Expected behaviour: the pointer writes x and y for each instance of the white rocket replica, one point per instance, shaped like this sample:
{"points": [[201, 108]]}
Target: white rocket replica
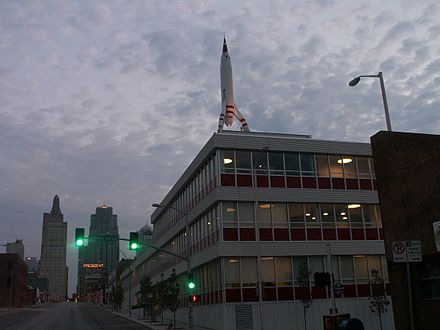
{"points": [[229, 109]]}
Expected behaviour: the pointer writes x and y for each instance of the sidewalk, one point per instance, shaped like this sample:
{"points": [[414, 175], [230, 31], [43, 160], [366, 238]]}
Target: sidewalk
{"points": [[145, 323]]}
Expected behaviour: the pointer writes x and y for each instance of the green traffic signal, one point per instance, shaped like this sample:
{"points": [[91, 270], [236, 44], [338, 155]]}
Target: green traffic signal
{"points": [[79, 237], [134, 241], [191, 283]]}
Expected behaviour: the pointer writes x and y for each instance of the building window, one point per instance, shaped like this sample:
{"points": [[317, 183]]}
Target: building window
{"points": [[232, 272]]}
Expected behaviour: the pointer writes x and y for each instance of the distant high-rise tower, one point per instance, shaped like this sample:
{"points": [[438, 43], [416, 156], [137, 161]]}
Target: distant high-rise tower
{"points": [[103, 244], [53, 252]]}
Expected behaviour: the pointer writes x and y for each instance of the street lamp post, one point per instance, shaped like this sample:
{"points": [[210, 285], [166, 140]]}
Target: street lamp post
{"points": [[355, 81], [187, 254]]}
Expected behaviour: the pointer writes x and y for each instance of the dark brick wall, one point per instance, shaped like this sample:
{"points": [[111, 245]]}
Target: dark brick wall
{"points": [[408, 182], [12, 268]]}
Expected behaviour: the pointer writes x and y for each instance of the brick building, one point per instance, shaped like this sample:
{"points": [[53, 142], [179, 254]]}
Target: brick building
{"points": [[13, 280], [408, 180]]}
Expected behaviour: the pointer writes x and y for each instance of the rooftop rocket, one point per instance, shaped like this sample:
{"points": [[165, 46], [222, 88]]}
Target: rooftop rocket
{"points": [[229, 109]]}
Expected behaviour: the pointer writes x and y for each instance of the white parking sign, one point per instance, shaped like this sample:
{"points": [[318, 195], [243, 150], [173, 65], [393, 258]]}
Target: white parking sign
{"points": [[399, 251]]}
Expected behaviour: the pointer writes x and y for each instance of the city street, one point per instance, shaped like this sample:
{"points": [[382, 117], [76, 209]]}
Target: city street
{"points": [[64, 316]]}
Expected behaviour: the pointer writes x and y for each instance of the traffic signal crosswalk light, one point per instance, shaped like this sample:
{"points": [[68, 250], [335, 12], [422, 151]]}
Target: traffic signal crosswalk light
{"points": [[134, 241], [79, 237]]}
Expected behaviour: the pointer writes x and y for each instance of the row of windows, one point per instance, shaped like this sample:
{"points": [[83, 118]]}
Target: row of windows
{"points": [[295, 170], [235, 279], [283, 271], [296, 164], [199, 186], [310, 215]]}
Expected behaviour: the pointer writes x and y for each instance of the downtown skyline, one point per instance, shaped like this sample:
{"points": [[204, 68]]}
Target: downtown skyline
{"points": [[109, 102]]}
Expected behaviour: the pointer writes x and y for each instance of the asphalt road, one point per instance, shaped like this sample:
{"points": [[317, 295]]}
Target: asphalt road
{"points": [[65, 316]]}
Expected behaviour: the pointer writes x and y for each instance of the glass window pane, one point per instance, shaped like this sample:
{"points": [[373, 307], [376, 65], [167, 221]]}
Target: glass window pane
{"points": [[355, 211], [276, 163], [307, 164], [347, 272], [279, 214], [373, 174], [374, 265], [243, 160], [327, 215], [349, 167], [227, 161], [263, 214], [336, 166], [246, 214], [292, 163], [232, 272], [383, 261], [259, 160], [322, 165], [267, 271], [316, 264], [229, 214], [370, 215], [299, 265], [341, 213], [312, 215], [249, 271], [296, 214], [360, 264], [363, 167], [335, 268], [283, 271]]}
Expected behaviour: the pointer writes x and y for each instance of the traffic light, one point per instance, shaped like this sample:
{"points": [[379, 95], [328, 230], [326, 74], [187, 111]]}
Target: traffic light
{"points": [[79, 237], [134, 241], [191, 283], [322, 279], [194, 298]]}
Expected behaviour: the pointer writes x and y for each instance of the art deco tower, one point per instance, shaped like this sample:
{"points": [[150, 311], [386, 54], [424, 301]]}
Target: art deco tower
{"points": [[53, 252]]}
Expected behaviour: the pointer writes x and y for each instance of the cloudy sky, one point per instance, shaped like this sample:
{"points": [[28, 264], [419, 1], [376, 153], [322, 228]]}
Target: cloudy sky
{"points": [[109, 101]]}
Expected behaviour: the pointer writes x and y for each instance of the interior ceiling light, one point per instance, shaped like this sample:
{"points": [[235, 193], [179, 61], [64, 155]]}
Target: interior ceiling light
{"points": [[264, 206], [307, 214], [227, 160], [344, 218], [233, 260], [343, 213], [325, 213], [313, 218], [230, 209], [353, 206], [344, 160]]}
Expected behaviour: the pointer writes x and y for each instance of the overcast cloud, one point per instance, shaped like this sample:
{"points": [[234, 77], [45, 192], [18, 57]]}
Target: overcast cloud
{"points": [[109, 101]]}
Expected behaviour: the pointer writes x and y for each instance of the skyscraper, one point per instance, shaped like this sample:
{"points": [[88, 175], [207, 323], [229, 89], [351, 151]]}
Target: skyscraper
{"points": [[103, 244], [97, 260], [53, 252]]}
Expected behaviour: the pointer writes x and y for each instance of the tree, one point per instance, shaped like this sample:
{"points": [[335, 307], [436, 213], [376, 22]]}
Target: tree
{"points": [[172, 294], [304, 283], [118, 296], [146, 292], [378, 301]]}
